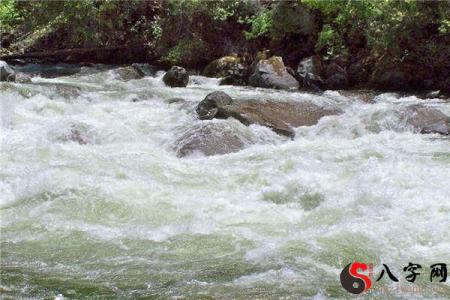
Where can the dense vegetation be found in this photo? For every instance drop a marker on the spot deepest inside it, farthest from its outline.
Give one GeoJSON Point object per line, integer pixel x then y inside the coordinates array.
{"type": "Point", "coordinates": [413, 34]}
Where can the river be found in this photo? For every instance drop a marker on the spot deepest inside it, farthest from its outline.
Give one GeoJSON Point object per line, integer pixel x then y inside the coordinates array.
{"type": "Point", "coordinates": [96, 204]}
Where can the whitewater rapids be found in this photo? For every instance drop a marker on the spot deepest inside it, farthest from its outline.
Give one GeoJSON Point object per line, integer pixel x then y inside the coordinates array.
{"type": "Point", "coordinates": [120, 216]}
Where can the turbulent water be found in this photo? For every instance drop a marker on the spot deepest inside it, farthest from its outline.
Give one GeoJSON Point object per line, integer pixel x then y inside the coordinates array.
{"type": "Point", "coordinates": [96, 204]}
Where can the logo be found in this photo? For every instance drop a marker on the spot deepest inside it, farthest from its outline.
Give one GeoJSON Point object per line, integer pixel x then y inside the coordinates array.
{"type": "Point", "coordinates": [356, 276]}
{"type": "Point", "coordinates": [353, 280]}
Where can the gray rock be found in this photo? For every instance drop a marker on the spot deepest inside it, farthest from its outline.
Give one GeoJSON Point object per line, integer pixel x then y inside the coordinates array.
{"type": "Point", "coordinates": [309, 72]}
{"type": "Point", "coordinates": [208, 107]}
{"type": "Point", "coordinates": [333, 69]}
{"type": "Point", "coordinates": [129, 73]}
{"type": "Point", "coordinates": [309, 65]}
{"type": "Point", "coordinates": [393, 80]}
{"type": "Point", "coordinates": [357, 74]}
{"type": "Point", "coordinates": [433, 94]}
{"type": "Point", "coordinates": [336, 77]}
{"type": "Point", "coordinates": [337, 81]}
{"type": "Point", "coordinates": [176, 100]}
{"type": "Point", "coordinates": [146, 69]}
{"type": "Point", "coordinates": [272, 73]}
{"type": "Point", "coordinates": [211, 138]}
{"type": "Point", "coordinates": [22, 78]}
{"type": "Point", "coordinates": [427, 120]}
{"type": "Point", "coordinates": [281, 117]}
{"type": "Point", "coordinates": [6, 72]}
{"type": "Point", "coordinates": [176, 77]}
{"type": "Point", "coordinates": [221, 67]}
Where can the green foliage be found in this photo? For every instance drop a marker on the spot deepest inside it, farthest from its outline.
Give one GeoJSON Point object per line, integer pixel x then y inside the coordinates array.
{"type": "Point", "coordinates": [260, 24]}
{"type": "Point", "coordinates": [9, 15]}
{"type": "Point", "coordinates": [330, 41]}
{"type": "Point", "coordinates": [185, 52]}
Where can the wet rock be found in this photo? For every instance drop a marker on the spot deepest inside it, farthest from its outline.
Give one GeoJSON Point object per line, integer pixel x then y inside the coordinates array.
{"type": "Point", "coordinates": [309, 72]}
{"type": "Point", "coordinates": [309, 65]}
{"type": "Point", "coordinates": [175, 100]}
{"type": "Point", "coordinates": [176, 77]}
{"type": "Point", "coordinates": [357, 74]}
{"type": "Point", "coordinates": [146, 69]}
{"type": "Point", "coordinates": [272, 73]}
{"type": "Point", "coordinates": [211, 138]}
{"type": "Point", "coordinates": [333, 69]}
{"type": "Point", "coordinates": [433, 94]}
{"type": "Point", "coordinates": [337, 81]}
{"type": "Point", "coordinates": [427, 119]}
{"type": "Point", "coordinates": [313, 82]}
{"type": "Point", "coordinates": [228, 67]}
{"type": "Point", "coordinates": [66, 91]}
{"type": "Point", "coordinates": [208, 107]}
{"type": "Point", "coordinates": [6, 72]}
{"type": "Point", "coordinates": [281, 117]}
{"type": "Point", "coordinates": [129, 73]}
{"type": "Point", "coordinates": [336, 77]}
{"type": "Point", "coordinates": [228, 80]}
{"type": "Point", "coordinates": [394, 80]}
{"type": "Point", "coordinates": [22, 78]}
{"type": "Point", "coordinates": [80, 133]}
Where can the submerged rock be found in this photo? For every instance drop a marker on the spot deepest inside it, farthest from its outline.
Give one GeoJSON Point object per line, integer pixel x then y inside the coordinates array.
{"type": "Point", "coordinates": [175, 100]}
{"type": "Point", "coordinates": [22, 78]}
{"type": "Point", "coordinates": [211, 138]}
{"type": "Point", "coordinates": [281, 117]}
{"type": "Point", "coordinates": [6, 72]}
{"type": "Point", "coordinates": [80, 133]}
{"type": "Point", "coordinates": [129, 73]}
{"type": "Point", "coordinates": [427, 120]}
{"type": "Point", "coordinates": [176, 77]}
{"type": "Point", "coordinates": [272, 73]}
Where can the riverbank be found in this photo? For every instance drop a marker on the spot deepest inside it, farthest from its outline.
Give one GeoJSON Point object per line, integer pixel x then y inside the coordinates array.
{"type": "Point", "coordinates": [391, 45]}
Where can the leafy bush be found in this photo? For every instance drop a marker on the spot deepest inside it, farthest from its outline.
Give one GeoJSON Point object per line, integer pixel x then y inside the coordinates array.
{"type": "Point", "coordinates": [9, 15]}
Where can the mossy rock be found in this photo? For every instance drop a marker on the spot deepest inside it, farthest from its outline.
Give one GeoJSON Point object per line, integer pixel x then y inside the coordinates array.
{"type": "Point", "coordinates": [221, 66]}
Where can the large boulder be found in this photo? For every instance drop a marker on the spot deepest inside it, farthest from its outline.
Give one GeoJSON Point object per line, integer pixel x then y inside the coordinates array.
{"type": "Point", "coordinates": [208, 107]}
{"type": "Point", "coordinates": [336, 77]}
{"type": "Point", "coordinates": [395, 80]}
{"type": "Point", "coordinates": [336, 82]}
{"type": "Point", "coordinates": [176, 77]}
{"type": "Point", "coordinates": [272, 73]}
{"type": "Point", "coordinates": [237, 75]}
{"type": "Point", "coordinates": [357, 74]}
{"type": "Point", "coordinates": [281, 117]}
{"type": "Point", "coordinates": [427, 119]}
{"type": "Point", "coordinates": [212, 138]}
{"type": "Point", "coordinates": [309, 72]}
{"type": "Point", "coordinates": [221, 67]}
{"type": "Point", "coordinates": [6, 72]}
